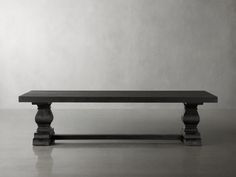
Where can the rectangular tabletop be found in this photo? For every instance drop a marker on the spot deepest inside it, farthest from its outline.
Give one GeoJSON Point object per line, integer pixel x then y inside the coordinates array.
{"type": "Point", "coordinates": [118, 96]}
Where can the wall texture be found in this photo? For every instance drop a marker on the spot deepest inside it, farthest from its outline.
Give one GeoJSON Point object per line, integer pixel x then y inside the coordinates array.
{"type": "Point", "coordinates": [117, 44]}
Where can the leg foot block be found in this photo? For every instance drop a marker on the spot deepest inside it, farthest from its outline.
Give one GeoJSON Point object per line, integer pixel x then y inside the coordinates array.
{"type": "Point", "coordinates": [192, 142]}
{"type": "Point", "coordinates": [191, 139]}
{"type": "Point", "coordinates": [43, 140]}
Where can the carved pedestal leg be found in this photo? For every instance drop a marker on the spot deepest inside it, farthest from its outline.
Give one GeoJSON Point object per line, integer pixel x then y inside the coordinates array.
{"type": "Point", "coordinates": [43, 118]}
{"type": "Point", "coordinates": [191, 135]}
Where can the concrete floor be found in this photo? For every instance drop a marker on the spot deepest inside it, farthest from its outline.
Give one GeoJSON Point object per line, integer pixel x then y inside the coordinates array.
{"type": "Point", "coordinates": [217, 156]}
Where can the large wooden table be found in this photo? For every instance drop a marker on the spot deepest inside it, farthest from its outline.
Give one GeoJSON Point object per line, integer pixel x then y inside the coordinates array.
{"type": "Point", "coordinates": [46, 136]}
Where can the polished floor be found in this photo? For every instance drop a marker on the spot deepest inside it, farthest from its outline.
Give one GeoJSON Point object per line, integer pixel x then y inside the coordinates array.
{"type": "Point", "coordinates": [217, 156]}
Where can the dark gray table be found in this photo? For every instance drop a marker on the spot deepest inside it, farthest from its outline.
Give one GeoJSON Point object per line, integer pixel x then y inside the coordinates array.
{"type": "Point", "coordinates": [45, 135]}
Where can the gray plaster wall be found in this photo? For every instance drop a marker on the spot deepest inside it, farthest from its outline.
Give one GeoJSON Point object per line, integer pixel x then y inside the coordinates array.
{"type": "Point", "coordinates": [117, 44]}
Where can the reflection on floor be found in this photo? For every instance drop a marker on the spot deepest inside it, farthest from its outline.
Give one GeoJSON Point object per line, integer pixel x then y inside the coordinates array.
{"type": "Point", "coordinates": [217, 156]}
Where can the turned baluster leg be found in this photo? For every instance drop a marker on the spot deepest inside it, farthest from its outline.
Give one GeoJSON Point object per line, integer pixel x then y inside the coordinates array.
{"type": "Point", "coordinates": [191, 135]}
{"type": "Point", "coordinates": [44, 134]}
